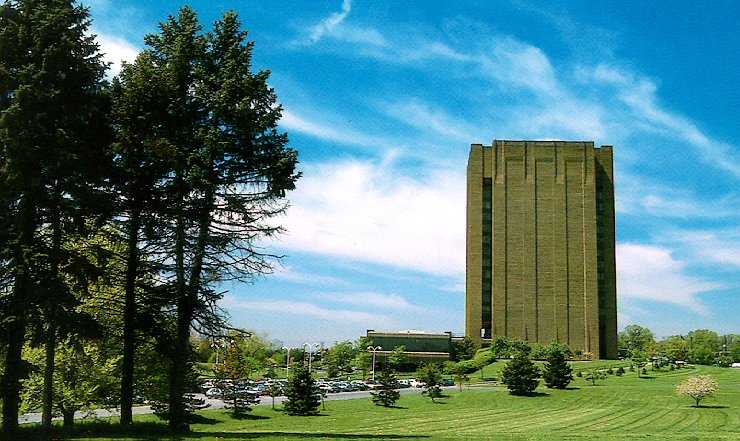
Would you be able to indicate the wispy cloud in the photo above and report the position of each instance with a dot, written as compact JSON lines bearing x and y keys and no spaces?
{"x":638,"y":196}
{"x":333,"y":26}
{"x":651,"y":273}
{"x":326,"y":131}
{"x":718,"y":246}
{"x":372,"y":299}
{"x":306,"y":277}
{"x":303,"y":309}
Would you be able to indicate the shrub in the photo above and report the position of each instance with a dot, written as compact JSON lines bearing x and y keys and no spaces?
{"x":467,"y":367}
{"x":595,"y":375}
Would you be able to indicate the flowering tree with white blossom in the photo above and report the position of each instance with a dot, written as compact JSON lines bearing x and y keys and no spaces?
{"x":698,"y":388}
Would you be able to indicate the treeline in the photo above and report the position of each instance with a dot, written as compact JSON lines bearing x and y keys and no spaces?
{"x":124,"y":204}
{"x":698,"y":347}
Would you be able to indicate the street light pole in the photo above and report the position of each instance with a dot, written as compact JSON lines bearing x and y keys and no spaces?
{"x":287,"y":362}
{"x":374,"y":349}
{"x":309,"y":353}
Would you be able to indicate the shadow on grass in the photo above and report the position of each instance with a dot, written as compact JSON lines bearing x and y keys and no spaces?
{"x":703,"y":406}
{"x":296,"y":435}
{"x":247,"y":417}
{"x":96,"y":429}
{"x":158,"y":431}
{"x":531,"y":394}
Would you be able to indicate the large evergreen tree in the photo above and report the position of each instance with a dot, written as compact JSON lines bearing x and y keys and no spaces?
{"x":53,"y":132}
{"x":143,"y":158}
{"x":227,"y":170}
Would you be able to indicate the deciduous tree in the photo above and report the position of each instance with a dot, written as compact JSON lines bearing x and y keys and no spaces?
{"x":431,"y":375}
{"x":698,"y":388}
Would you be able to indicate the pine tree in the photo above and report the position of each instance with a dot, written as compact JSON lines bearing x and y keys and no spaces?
{"x":431,"y":376}
{"x":303,"y":396}
{"x":520,"y":375}
{"x":53,"y":138}
{"x":386,"y":394}
{"x":558,"y":374}
{"x":226,"y":172}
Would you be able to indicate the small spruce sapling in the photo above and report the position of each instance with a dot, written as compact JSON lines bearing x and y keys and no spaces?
{"x":386,"y":394}
{"x":558,"y":374}
{"x":520,"y":375}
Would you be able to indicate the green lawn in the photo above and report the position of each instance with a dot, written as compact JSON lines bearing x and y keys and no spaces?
{"x":618,"y":408}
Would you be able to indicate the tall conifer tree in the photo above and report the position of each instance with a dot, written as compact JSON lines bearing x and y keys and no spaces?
{"x":53,"y":132}
{"x":227,"y":171}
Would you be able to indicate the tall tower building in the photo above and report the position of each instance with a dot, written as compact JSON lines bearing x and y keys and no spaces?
{"x":540,"y":244}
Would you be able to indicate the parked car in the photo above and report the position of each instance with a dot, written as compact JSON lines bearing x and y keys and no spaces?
{"x":404,"y":383}
{"x":214,"y":392}
{"x":447,"y":382}
{"x":358,"y":385}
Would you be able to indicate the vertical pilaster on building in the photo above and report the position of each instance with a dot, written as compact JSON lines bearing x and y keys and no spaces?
{"x":540,"y":244}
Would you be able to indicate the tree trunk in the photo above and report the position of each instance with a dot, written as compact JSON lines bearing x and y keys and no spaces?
{"x":51,"y":338}
{"x":48,"y":394}
{"x":68,"y":418}
{"x":180,"y":350}
{"x":15,"y":332}
{"x":129,"y":317}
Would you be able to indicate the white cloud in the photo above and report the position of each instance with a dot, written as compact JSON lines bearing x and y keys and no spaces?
{"x":651,"y":273}
{"x":644,"y":113}
{"x":330,"y":23}
{"x":303,"y":309}
{"x":307,"y":278}
{"x":365,"y":211}
{"x":420,"y":116}
{"x":326,"y":132}
{"x":116,"y":50}
{"x":371,"y":299}
{"x":638,"y":197}
{"x":709,"y":247}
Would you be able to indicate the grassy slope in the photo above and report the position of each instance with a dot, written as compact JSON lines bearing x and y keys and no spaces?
{"x":618,"y":408}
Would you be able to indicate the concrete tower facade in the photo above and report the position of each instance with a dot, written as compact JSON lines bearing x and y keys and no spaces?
{"x":540,"y":244}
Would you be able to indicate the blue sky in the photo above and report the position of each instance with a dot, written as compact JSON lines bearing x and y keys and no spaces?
{"x":383,"y":100}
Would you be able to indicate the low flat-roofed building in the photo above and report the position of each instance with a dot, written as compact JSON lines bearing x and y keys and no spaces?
{"x":420,"y":347}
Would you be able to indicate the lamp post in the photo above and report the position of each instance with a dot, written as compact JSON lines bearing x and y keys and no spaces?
{"x":287,"y":362}
{"x":215,"y":345}
{"x":309,"y":353}
{"x":374,"y":349}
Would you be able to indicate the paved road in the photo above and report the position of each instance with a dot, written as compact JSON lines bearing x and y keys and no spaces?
{"x":213,"y":404}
